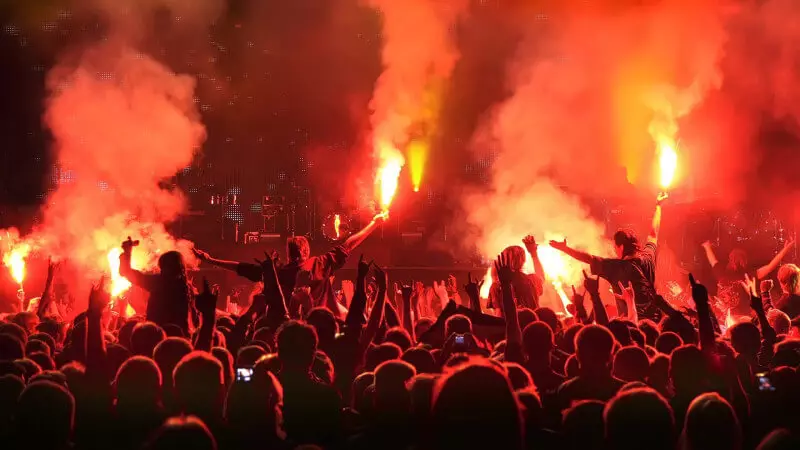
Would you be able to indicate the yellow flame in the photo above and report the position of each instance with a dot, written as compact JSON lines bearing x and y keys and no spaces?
{"x":559,"y":269}
{"x":392,"y":162}
{"x":668,"y":162}
{"x":118,"y":283}
{"x":337,"y":222}
{"x":417,"y":157}
{"x":15,"y":261}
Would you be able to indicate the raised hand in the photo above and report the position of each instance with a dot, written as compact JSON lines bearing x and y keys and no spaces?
{"x":592,"y":285}
{"x":451,"y":285}
{"x":363,"y":267}
{"x":441,"y":291}
{"x":99,"y":298}
{"x":749,"y":285}
{"x":381,"y":278}
{"x":627,"y":295}
{"x":661,"y":197}
{"x":473,"y":286}
{"x":128,"y":244}
{"x":559,"y":245}
{"x":530,"y":243}
{"x":206,"y":300}
{"x":788,"y":244}
{"x":381,"y":217}
{"x":407,"y":290}
{"x":699,"y":292}
{"x":766,"y":285}
{"x":577,"y":299}
{"x":503,"y":268}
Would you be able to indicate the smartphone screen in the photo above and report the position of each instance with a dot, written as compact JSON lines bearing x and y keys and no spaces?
{"x":764,"y":383}
{"x":460,"y":339}
{"x":244,"y":374}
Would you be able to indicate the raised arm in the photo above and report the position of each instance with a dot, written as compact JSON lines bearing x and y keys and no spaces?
{"x":710,"y":255}
{"x":408,"y":320}
{"x":376,"y":315}
{"x":227,"y":265}
{"x":206,"y":302}
{"x":356,"y":239}
{"x":44,"y":302}
{"x":96,"y":366}
{"x":592,"y":286}
{"x":533,"y":250}
{"x":473,"y":289}
{"x":763,"y":271}
{"x":136,"y":278}
{"x":706,"y":328}
{"x":505,"y":276}
{"x":576,"y":254}
{"x":656,"y":226}
{"x":277,"y":312}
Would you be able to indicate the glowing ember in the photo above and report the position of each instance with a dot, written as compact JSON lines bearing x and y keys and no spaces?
{"x":337,"y":222}
{"x":392,"y":162}
{"x":668,"y":163}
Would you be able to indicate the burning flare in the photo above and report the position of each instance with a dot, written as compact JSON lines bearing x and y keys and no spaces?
{"x":15,"y":251}
{"x":668,"y":162}
{"x":15,"y":261}
{"x":392,"y":162}
{"x":119,"y":284}
{"x":337,"y":222}
{"x":559,"y":270}
{"x":417,"y":156}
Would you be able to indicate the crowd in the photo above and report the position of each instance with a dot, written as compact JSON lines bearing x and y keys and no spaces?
{"x":374,"y":369}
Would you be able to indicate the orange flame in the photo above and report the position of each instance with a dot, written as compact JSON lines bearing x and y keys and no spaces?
{"x":118,"y":283}
{"x":15,"y":261}
{"x":392,"y":162}
{"x":337,"y":222}
{"x":559,"y":270}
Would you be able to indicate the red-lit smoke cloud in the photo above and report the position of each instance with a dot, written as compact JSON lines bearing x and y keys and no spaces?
{"x":123,"y":124}
{"x":418,"y":55}
{"x":586,"y":85}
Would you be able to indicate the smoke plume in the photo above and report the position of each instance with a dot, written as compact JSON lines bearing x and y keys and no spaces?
{"x":589,"y":86}
{"x":123,"y":125}
{"x":419,"y":54}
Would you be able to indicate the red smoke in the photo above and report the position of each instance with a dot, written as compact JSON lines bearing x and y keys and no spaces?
{"x":123,"y":125}
{"x":419,"y":53}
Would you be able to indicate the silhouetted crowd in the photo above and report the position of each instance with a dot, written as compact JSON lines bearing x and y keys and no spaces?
{"x":400,"y":367}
